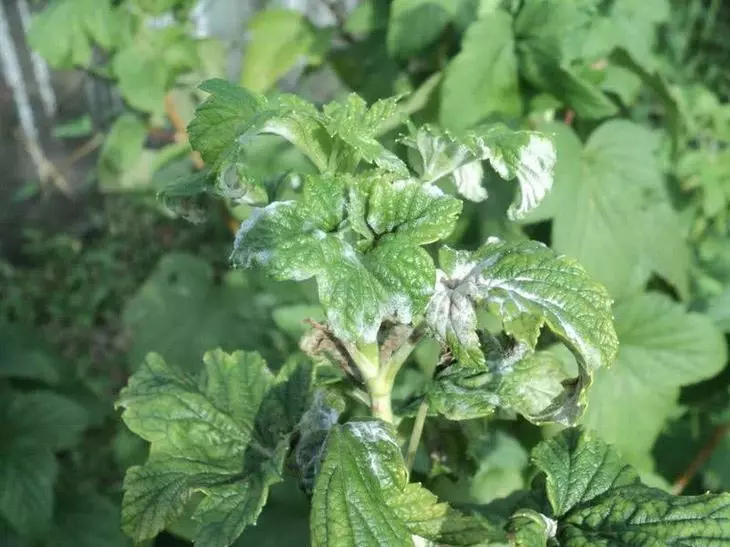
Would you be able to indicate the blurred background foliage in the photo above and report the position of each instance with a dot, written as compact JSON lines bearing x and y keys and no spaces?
{"x":108,"y":250}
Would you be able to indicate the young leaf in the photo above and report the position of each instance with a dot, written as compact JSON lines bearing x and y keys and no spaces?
{"x":227,"y":120}
{"x":528,"y":156}
{"x":357,"y":125}
{"x":392,"y":278}
{"x":362,"y":496}
{"x":224,"y":434}
{"x":599,"y":500}
{"x":661,"y":348}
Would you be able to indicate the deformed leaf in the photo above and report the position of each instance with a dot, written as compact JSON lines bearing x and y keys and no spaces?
{"x":224,"y":434}
{"x":359,"y":286}
{"x":526,"y":285}
{"x":528,"y":156}
{"x":357,"y":125}
{"x":362,"y":496}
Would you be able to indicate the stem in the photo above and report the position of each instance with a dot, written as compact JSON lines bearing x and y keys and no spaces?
{"x":340,"y":20}
{"x":380,"y":404}
{"x":181,"y":133}
{"x":416,"y":433}
{"x":717,"y":435}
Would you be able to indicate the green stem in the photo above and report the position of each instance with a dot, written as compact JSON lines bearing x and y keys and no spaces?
{"x":416,"y":435}
{"x":380,"y":399}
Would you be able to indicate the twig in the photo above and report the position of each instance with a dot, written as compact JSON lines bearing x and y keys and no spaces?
{"x":85,"y":149}
{"x":569,"y":117}
{"x":47,"y":170}
{"x":341,"y":20}
{"x":181,"y":131}
{"x":703,"y":455}
{"x":416,"y":435}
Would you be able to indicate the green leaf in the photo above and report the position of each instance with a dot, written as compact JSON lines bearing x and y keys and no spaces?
{"x":75,"y":128}
{"x":391,"y":278}
{"x":27,"y":477}
{"x":159,"y":7}
{"x":224,"y":434}
{"x":531,"y":386}
{"x":599,"y":500}
{"x":180,"y":313}
{"x":526,"y":285}
{"x":611,"y":211}
{"x":22,"y":355}
{"x":314,"y":427}
{"x":226,"y":122}
{"x":578,"y":469}
{"x":357,"y":125}
{"x":635,"y":27}
{"x":362,"y":495}
{"x":528,"y":156}
{"x":279,"y":40}
{"x":222,"y":118}
{"x":430,"y":17}
{"x":482,"y":80}
{"x":122,"y":148}
{"x":33,"y":426}
{"x":87,"y":519}
{"x":146,"y":68}
{"x":545,"y":32}
{"x":661,"y":348}
{"x":64,"y":32}
{"x":528,"y":528}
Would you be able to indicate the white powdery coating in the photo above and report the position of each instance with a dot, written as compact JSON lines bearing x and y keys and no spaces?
{"x":242,"y":257}
{"x":277,"y":127}
{"x":452,"y":311}
{"x":438,"y":160}
{"x":468,"y":179}
{"x":399,"y":307}
{"x":535,"y":170}
{"x":432,"y":191}
{"x":496,"y":159}
{"x":369,"y":433}
{"x":551,"y":526}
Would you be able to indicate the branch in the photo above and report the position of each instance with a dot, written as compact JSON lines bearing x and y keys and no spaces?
{"x":181,"y":133}
{"x":701,"y":459}
{"x":416,"y":433}
{"x":47,"y":170}
{"x":341,"y":20}
{"x":85,"y":149}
